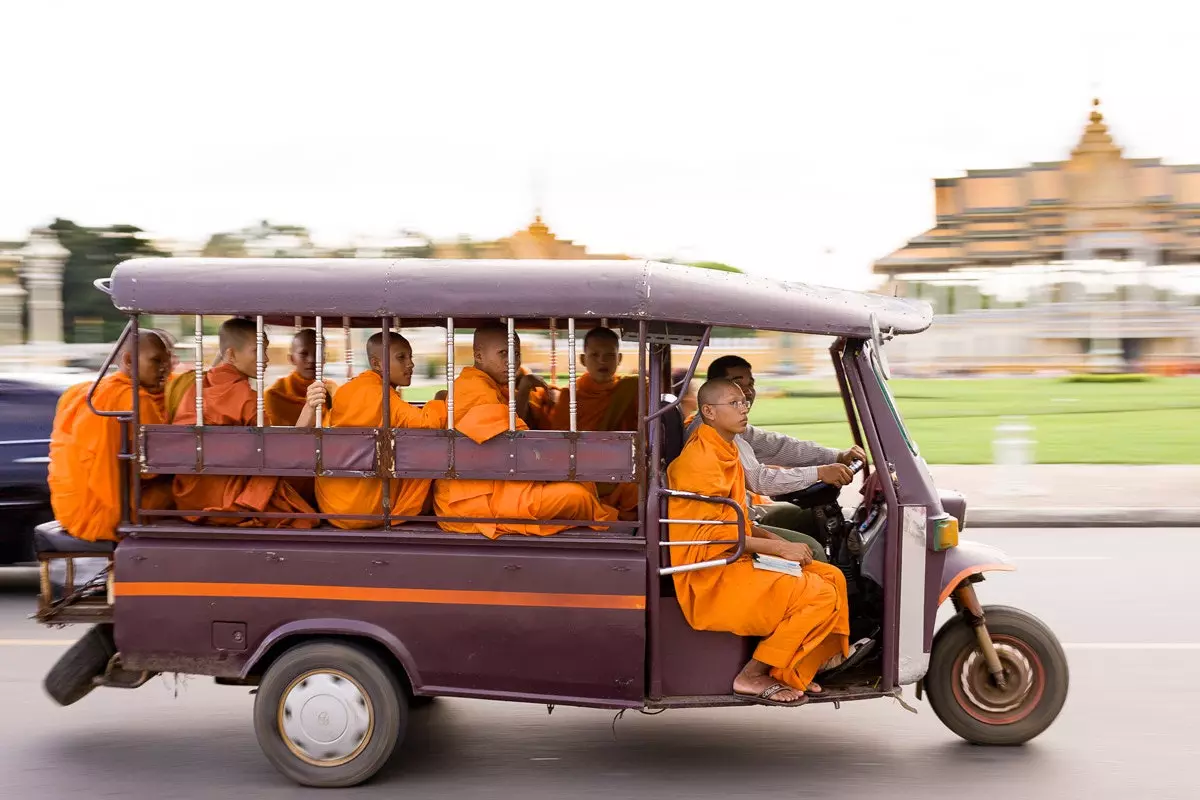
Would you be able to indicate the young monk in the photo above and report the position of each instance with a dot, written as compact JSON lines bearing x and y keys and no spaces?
{"x":542,"y":401}
{"x":229,"y":400}
{"x":84,"y":473}
{"x":594,"y":391}
{"x":287,"y":397}
{"x":804,"y":619}
{"x":481,"y":412}
{"x":360,"y":405}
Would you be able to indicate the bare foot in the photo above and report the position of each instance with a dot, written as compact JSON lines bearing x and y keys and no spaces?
{"x":814,"y":688}
{"x":755,"y":679}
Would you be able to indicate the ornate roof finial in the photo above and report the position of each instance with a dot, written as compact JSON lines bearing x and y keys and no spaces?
{"x":1096,"y":139}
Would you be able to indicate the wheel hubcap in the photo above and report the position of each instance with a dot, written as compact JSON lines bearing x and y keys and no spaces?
{"x":325,"y":718}
{"x":978,"y":693}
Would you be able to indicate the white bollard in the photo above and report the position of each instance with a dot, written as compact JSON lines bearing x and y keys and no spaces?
{"x":1013,"y":450}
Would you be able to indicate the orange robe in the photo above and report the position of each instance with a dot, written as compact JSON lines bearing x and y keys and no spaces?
{"x":360,"y":405}
{"x":229,"y":400}
{"x":177,"y":386}
{"x":622,"y":411}
{"x":84,"y":473}
{"x":481,"y":412}
{"x":541,"y":405}
{"x":804,"y":621}
{"x":592,"y":406}
{"x":285,"y":399}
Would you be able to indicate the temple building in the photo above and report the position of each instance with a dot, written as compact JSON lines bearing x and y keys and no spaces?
{"x":1088,"y":264}
{"x":534,"y":242}
{"x":1098,"y":204}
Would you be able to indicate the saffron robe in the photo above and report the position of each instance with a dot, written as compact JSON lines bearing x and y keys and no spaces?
{"x":481,"y":412}
{"x":592,"y":406}
{"x":360,"y":405}
{"x":229,"y":400}
{"x":84,"y":472}
{"x":284,"y":401}
{"x":804,"y":620}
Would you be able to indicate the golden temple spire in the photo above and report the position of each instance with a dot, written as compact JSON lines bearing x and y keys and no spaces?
{"x":1096,"y":139}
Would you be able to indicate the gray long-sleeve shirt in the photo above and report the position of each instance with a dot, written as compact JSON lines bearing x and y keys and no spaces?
{"x":776,"y":463}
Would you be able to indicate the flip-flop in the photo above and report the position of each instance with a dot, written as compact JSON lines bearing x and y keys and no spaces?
{"x":858,"y":654}
{"x":763,"y":698}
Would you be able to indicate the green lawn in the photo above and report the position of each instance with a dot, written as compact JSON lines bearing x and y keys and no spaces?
{"x":954,"y":421}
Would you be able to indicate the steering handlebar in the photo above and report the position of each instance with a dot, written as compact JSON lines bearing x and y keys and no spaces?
{"x":820,"y":493}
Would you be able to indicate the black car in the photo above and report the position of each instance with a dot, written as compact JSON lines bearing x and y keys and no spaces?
{"x":26,"y":417}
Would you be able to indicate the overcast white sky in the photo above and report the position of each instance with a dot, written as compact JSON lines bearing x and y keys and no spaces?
{"x":764,"y":135}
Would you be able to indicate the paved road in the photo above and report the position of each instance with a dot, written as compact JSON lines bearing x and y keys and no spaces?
{"x":1124,"y":602}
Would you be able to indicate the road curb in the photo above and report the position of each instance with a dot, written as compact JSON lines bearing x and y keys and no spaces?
{"x":1083,"y":517}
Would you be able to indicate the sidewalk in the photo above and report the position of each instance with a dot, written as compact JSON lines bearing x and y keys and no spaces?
{"x":1077,"y":495}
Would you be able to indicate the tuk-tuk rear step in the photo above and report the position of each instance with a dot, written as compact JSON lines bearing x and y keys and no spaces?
{"x":830,"y":695}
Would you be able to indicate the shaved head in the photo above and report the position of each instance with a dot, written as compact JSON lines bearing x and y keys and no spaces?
{"x":399,"y":358}
{"x":154,"y":360}
{"x":723,"y":407}
{"x":716,"y":391}
{"x":303,"y":354}
{"x":237,"y":334}
{"x":491,"y":351}
{"x":305,"y":338}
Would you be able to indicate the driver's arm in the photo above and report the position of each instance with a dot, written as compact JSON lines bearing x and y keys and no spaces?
{"x":772,"y":481}
{"x":782,"y":450}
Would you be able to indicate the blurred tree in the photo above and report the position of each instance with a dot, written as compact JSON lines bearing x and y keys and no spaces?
{"x":264,"y":239}
{"x":88,"y":312}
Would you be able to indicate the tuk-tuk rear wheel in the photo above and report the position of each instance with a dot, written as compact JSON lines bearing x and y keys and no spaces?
{"x":332,"y":688}
{"x":968,"y":701}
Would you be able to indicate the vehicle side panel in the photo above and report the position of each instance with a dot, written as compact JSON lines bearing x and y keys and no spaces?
{"x":484,"y":620}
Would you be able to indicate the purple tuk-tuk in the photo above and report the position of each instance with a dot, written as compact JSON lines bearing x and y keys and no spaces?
{"x":343,"y":631}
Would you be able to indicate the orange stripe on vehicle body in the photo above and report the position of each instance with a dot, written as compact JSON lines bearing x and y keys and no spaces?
{"x":461,"y":597}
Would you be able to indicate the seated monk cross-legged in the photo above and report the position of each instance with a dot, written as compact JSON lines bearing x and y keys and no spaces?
{"x":229,"y":400}
{"x":481,"y":413}
{"x":803,"y":619}
{"x":360,"y":405}
{"x":84,"y":471}
{"x":594,"y":392}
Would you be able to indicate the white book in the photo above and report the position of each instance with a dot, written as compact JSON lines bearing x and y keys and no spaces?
{"x":776,"y":564}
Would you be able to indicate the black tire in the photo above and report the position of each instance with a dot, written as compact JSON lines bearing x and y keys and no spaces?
{"x":385,"y":703}
{"x":71,"y":677}
{"x":968,"y":703}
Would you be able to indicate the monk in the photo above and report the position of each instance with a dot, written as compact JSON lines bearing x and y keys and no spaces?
{"x":804,"y":620}
{"x":542,"y":401}
{"x":481,"y":412}
{"x":229,"y":400}
{"x":84,"y":472}
{"x":288,"y":396}
{"x":594,"y":390}
{"x":360,"y":405}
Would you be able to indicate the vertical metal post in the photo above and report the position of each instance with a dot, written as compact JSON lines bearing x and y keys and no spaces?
{"x":349,"y":348}
{"x":260,"y":372}
{"x":604,"y":322}
{"x":572,"y":408}
{"x":320,"y":376}
{"x":131,"y":477}
{"x":449,"y":373}
{"x":297,"y":324}
{"x":387,"y":453}
{"x":651,"y":527}
{"x":512,"y":375}
{"x":199,"y":366}
{"x":554,"y":352}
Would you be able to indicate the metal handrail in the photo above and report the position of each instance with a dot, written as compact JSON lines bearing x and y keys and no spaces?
{"x":117,"y":348}
{"x":104,"y":285}
{"x":742,"y":523}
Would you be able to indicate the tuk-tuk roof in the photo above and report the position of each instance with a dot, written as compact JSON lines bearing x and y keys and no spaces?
{"x":428,"y":290}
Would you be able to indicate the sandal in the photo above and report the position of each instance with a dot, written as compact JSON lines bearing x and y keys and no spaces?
{"x":858,"y":654}
{"x":763,"y":698}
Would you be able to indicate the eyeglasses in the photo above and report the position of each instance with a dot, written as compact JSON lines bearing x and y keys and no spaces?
{"x":740,"y":405}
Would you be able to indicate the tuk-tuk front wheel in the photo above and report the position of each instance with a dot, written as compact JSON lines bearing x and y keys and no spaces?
{"x":967,"y":698}
{"x":329,"y":714}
